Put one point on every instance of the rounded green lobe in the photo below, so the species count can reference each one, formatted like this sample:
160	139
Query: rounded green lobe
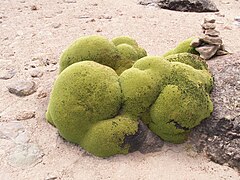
182	47
90	48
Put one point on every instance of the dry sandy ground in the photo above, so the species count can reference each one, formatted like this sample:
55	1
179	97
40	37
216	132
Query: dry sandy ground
31	37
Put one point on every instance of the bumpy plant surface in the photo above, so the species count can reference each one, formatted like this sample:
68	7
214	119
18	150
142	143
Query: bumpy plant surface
105	89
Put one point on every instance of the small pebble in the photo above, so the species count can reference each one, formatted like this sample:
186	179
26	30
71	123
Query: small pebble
91	20
195	42
22	88
83	17
99	30
36	73
51	178
104	17
26	115
219	14
69	1
51	68
56	25
41	95
237	21
209	20
34	8
237	18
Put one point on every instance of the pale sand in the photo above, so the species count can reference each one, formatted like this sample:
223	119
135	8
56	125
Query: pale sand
27	34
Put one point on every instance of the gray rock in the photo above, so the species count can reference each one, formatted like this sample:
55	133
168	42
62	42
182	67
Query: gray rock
195	42
69	1
212	32
17	147
212	40
209	20
22	88
207	51
7	74
219	135
25	155
208	26
184	5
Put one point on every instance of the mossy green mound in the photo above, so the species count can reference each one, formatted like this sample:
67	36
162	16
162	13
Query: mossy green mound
98	107
119	54
182	47
131	42
84	93
171	97
85	98
106	138
129	52
128	57
90	48
124	40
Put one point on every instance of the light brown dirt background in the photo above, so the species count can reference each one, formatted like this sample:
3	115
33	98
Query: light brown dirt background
26	35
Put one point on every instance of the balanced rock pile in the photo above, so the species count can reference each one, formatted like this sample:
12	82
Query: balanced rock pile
211	43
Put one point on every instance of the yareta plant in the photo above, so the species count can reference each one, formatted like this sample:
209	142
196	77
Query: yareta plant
106	89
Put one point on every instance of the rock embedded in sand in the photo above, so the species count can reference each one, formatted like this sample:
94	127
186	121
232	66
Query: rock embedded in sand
25	155
22	88
219	135
41	95
7	74
183	5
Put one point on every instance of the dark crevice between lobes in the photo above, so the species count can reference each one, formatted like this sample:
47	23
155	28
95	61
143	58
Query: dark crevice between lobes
177	125
135	141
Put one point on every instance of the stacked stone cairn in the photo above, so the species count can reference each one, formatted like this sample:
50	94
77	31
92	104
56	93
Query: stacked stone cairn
211	43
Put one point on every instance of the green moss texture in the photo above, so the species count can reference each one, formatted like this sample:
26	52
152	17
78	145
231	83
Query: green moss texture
99	98
182	47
